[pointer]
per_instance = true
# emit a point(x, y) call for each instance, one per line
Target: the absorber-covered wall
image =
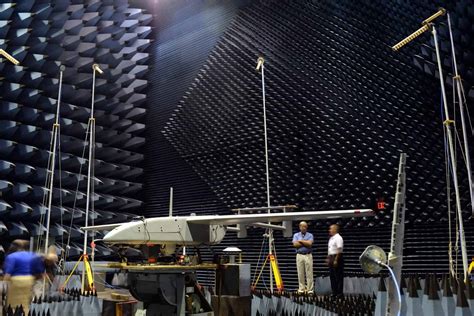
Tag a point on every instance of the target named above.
point(341, 107)
point(43, 35)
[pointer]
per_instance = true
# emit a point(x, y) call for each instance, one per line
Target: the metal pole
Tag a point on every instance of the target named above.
point(171, 203)
point(51, 172)
point(458, 83)
point(89, 182)
point(448, 124)
point(261, 63)
point(267, 172)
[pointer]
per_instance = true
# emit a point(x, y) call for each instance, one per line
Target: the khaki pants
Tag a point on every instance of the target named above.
point(304, 266)
point(20, 291)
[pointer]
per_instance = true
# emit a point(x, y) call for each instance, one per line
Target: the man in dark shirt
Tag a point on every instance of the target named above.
point(303, 242)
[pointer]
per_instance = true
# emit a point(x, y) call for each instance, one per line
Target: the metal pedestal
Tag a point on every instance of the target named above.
point(168, 293)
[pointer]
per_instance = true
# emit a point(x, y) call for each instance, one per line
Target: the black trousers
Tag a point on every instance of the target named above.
point(336, 274)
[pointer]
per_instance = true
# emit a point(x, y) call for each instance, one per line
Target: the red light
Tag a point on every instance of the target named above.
point(381, 205)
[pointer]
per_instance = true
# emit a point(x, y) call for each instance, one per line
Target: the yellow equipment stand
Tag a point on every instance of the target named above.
point(276, 272)
point(89, 274)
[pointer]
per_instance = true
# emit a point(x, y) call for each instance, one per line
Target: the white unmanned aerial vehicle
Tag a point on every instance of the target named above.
point(197, 230)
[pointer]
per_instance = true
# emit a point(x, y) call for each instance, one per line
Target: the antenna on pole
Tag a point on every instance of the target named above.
point(90, 169)
point(261, 67)
point(448, 125)
point(52, 162)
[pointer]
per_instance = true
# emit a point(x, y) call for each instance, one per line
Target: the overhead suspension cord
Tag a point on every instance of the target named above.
point(263, 265)
point(456, 247)
point(66, 252)
point(450, 170)
point(461, 103)
point(448, 194)
point(467, 110)
point(45, 196)
point(452, 263)
point(457, 83)
point(459, 140)
point(60, 189)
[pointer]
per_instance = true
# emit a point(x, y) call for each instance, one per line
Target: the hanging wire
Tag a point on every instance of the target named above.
point(456, 246)
point(47, 191)
point(467, 109)
point(448, 194)
point(66, 252)
point(259, 256)
point(463, 154)
point(45, 196)
point(60, 186)
point(263, 278)
point(104, 282)
point(458, 81)
point(462, 101)
point(449, 172)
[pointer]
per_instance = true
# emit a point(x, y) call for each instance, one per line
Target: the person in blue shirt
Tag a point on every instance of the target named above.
point(21, 268)
point(303, 242)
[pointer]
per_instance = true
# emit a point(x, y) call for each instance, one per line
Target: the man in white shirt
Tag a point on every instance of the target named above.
point(335, 261)
point(303, 242)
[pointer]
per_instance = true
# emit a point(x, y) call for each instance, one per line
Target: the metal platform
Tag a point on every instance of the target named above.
point(158, 267)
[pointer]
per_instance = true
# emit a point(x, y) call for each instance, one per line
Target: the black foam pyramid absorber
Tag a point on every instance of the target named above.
point(340, 107)
point(43, 37)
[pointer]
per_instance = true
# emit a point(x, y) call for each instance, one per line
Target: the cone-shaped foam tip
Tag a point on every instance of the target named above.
point(403, 282)
point(412, 292)
point(461, 300)
point(417, 282)
point(469, 289)
point(426, 290)
point(433, 288)
point(434, 282)
point(382, 287)
point(447, 292)
point(454, 285)
point(461, 285)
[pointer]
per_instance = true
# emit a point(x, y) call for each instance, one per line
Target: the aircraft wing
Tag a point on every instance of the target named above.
point(276, 217)
point(101, 227)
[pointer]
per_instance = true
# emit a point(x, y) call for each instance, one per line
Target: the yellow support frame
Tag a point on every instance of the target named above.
point(89, 274)
point(276, 272)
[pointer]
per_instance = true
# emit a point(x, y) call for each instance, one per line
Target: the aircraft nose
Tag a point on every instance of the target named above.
point(110, 236)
